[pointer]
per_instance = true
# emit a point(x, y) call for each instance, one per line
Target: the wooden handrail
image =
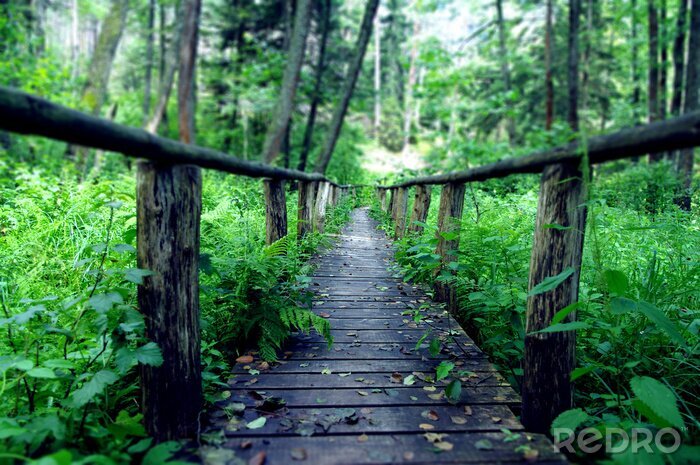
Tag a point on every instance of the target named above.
point(671, 134)
point(28, 114)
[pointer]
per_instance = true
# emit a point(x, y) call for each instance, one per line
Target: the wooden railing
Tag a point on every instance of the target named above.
point(557, 246)
point(168, 239)
point(168, 205)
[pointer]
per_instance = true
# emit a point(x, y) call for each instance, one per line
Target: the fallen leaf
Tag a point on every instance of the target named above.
point(408, 455)
point(343, 375)
point(458, 420)
point(396, 378)
point(409, 380)
point(245, 359)
point(326, 371)
point(258, 459)
point(257, 423)
point(246, 444)
point(414, 398)
point(467, 410)
point(496, 419)
point(437, 396)
point(324, 315)
point(433, 437)
point(429, 388)
point(298, 453)
point(426, 426)
point(362, 438)
point(500, 398)
point(444, 445)
point(363, 393)
point(430, 415)
point(483, 444)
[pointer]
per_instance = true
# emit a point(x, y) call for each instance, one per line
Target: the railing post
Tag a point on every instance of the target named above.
point(549, 357)
point(275, 210)
point(398, 212)
point(392, 197)
point(322, 198)
point(421, 206)
point(168, 206)
point(381, 193)
point(449, 219)
point(305, 208)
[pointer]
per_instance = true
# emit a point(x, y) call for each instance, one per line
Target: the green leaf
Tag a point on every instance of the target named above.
point(62, 457)
point(570, 419)
point(409, 380)
point(40, 372)
point(551, 282)
point(92, 388)
point(126, 425)
point(572, 326)
point(616, 281)
point(453, 391)
point(556, 226)
point(257, 423)
point(443, 370)
point(136, 275)
point(103, 302)
point(656, 401)
point(661, 320)
point(434, 348)
point(59, 363)
point(420, 341)
point(564, 312)
point(622, 305)
point(582, 371)
point(162, 453)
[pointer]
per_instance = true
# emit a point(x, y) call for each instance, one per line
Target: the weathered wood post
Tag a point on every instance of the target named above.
point(549, 357)
point(168, 206)
point(398, 212)
point(392, 197)
point(322, 198)
point(449, 219)
point(305, 208)
point(381, 193)
point(421, 206)
point(275, 210)
point(332, 195)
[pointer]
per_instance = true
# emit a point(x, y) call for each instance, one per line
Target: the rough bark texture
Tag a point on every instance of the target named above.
point(275, 210)
point(679, 58)
point(383, 201)
point(449, 221)
point(169, 205)
point(550, 357)
point(348, 87)
point(290, 79)
point(320, 204)
point(505, 68)
point(168, 212)
point(692, 103)
point(316, 96)
point(398, 211)
point(421, 205)
point(305, 208)
point(148, 77)
point(574, 23)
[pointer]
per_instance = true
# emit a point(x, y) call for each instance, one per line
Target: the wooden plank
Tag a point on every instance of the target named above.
point(360, 366)
point(398, 449)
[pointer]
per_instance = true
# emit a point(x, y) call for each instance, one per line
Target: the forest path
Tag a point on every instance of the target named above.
point(366, 400)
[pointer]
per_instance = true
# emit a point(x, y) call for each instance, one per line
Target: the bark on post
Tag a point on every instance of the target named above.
point(305, 208)
point(383, 201)
point(449, 220)
point(275, 210)
point(398, 211)
point(169, 205)
point(421, 205)
point(549, 357)
point(322, 198)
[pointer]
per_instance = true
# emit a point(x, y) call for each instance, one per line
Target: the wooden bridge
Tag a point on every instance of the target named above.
point(371, 403)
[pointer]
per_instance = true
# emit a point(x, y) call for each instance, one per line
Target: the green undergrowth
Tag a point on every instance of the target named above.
point(71, 335)
point(638, 316)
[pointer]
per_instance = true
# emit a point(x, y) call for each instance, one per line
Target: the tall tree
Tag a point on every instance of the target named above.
point(663, 54)
point(377, 76)
point(290, 81)
point(348, 87)
point(505, 69)
point(325, 25)
point(653, 76)
point(409, 109)
point(549, 82)
point(573, 65)
point(686, 159)
point(636, 86)
point(148, 74)
point(679, 57)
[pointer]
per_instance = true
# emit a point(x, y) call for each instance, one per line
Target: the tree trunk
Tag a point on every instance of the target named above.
point(587, 53)
point(377, 77)
point(322, 195)
point(549, 83)
point(170, 64)
point(305, 208)
point(663, 72)
point(74, 42)
point(348, 87)
point(408, 110)
point(290, 80)
point(148, 78)
point(398, 211)
point(679, 46)
point(653, 77)
point(692, 103)
point(170, 205)
point(316, 97)
point(636, 86)
point(573, 66)
point(505, 70)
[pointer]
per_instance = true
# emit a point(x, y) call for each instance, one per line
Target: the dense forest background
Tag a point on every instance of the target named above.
point(443, 85)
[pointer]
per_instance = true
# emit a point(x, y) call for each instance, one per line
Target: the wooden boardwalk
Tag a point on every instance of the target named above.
point(368, 399)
